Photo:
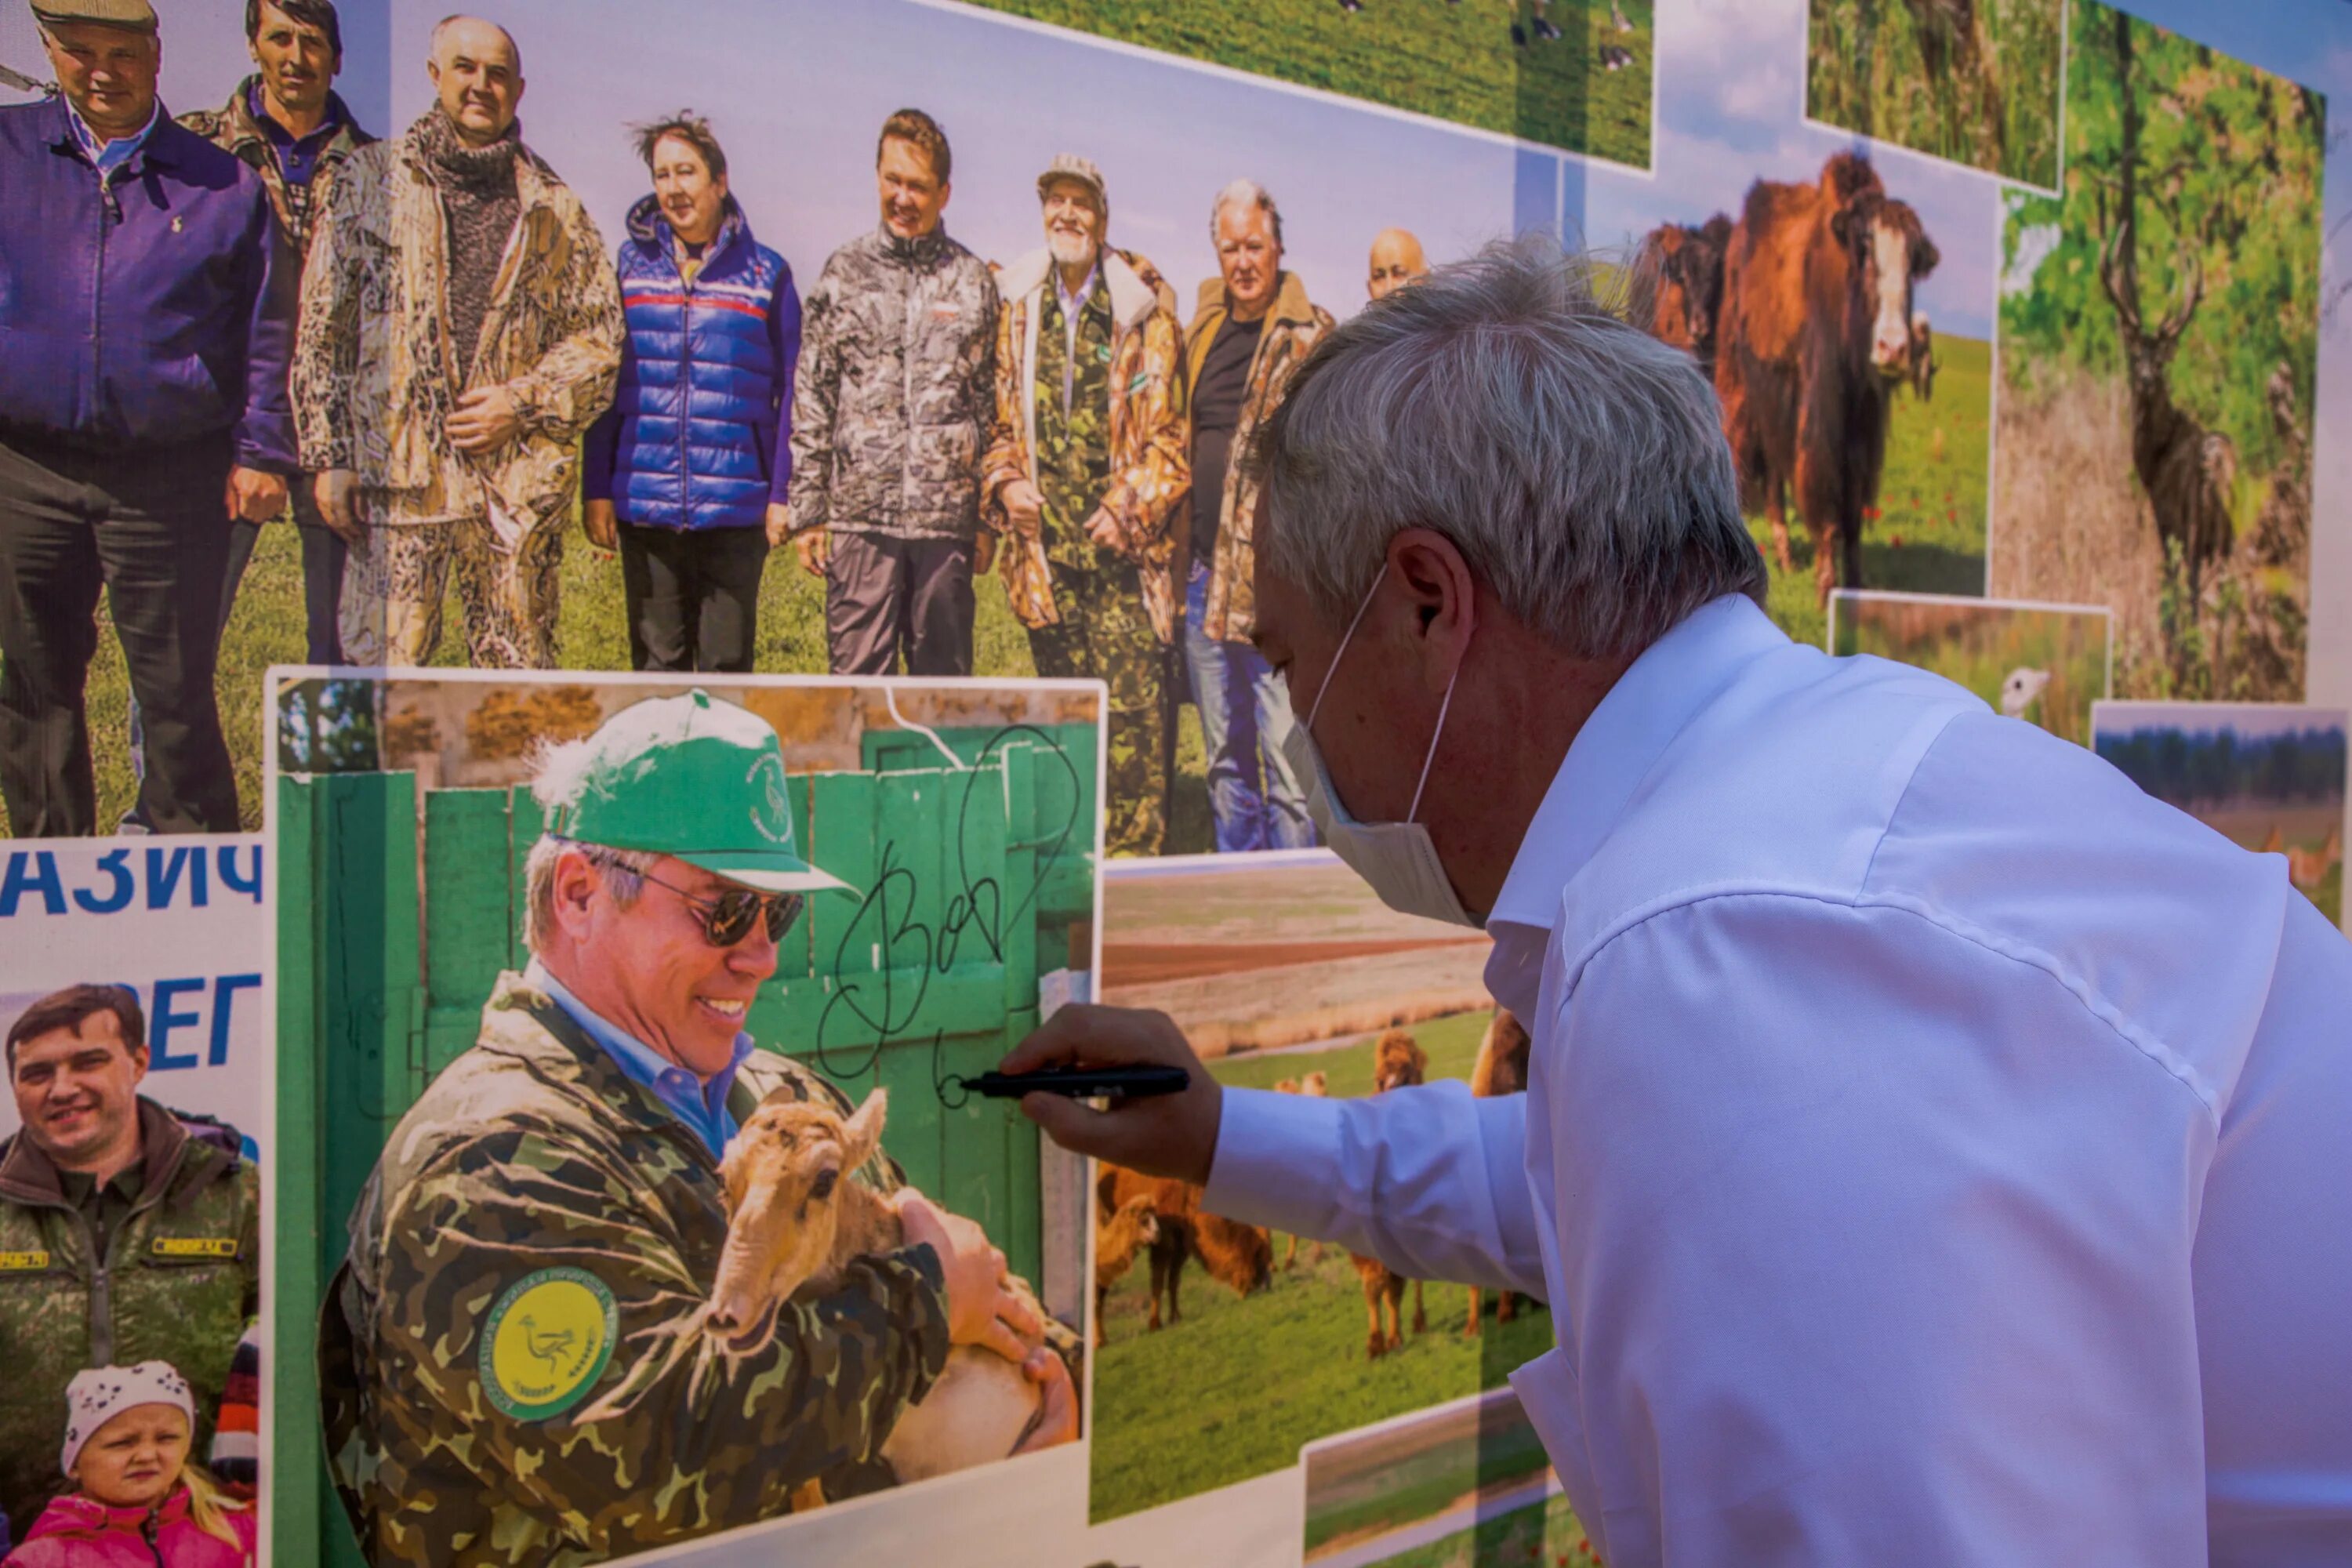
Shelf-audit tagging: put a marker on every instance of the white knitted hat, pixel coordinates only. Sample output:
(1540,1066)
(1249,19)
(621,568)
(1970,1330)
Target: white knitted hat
(100,1393)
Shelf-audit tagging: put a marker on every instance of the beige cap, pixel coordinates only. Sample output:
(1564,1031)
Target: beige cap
(1071,166)
(137,15)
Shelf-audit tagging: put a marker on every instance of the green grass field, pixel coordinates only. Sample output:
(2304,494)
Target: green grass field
(1453,61)
(1979,646)
(1413,1488)
(1542,1535)
(1237,1388)
(1930,534)
(267,628)
(1866,69)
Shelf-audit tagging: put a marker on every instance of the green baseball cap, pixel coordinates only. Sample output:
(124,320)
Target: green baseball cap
(694,778)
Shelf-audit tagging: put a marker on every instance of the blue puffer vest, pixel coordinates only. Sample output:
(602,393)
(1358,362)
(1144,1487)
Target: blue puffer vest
(695,438)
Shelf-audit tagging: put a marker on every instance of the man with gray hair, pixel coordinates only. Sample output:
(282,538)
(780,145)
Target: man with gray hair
(1932,1149)
(1254,327)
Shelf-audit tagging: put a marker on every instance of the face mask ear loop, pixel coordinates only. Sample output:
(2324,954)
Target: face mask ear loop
(1423,783)
(1336,654)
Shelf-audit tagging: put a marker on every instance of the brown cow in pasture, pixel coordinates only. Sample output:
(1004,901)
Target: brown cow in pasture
(1679,275)
(1240,1254)
(1118,1236)
(1502,1069)
(1816,330)
(1924,363)
(1397,1062)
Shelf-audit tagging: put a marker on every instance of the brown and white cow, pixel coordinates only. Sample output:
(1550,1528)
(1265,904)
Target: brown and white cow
(1397,1062)
(1816,333)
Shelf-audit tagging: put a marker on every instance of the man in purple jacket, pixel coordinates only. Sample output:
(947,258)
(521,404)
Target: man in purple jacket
(146,312)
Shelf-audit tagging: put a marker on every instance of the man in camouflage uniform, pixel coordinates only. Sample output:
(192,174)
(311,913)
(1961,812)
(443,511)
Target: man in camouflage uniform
(286,122)
(460,330)
(514,1355)
(1083,476)
(891,408)
(127,1233)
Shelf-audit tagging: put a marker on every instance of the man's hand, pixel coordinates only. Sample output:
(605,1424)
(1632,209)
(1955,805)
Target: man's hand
(984,553)
(332,490)
(1024,504)
(1105,531)
(1057,1423)
(254,496)
(1159,1135)
(779,524)
(980,1311)
(814,548)
(601,524)
(485,419)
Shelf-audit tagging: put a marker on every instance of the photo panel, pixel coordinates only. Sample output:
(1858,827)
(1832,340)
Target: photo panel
(592,1131)
(1979,83)
(2159,328)
(1463,1485)
(1574,75)
(2268,776)
(1748,251)
(1285,974)
(2046,664)
(135,1001)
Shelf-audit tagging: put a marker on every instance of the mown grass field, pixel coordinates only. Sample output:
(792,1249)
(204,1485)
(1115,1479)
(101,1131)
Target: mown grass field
(265,628)
(1388,1491)
(1930,534)
(1542,1535)
(1237,1388)
(1867,69)
(1453,61)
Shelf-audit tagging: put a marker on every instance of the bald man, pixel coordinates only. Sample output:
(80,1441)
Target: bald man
(442,419)
(1397,261)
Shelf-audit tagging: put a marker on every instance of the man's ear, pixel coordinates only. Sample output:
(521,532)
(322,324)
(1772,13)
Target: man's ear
(139,1058)
(1443,597)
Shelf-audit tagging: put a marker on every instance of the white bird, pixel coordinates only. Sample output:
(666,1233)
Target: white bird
(2021,689)
(1618,19)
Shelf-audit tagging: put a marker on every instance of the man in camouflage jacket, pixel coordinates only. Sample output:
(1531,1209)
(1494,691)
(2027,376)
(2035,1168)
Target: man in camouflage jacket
(891,409)
(1084,476)
(127,1233)
(460,329)
(514,1357)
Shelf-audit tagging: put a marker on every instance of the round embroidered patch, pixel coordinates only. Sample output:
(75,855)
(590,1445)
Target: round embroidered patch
(548,1339)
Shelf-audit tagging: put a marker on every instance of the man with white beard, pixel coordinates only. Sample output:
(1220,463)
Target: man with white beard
(1083,474)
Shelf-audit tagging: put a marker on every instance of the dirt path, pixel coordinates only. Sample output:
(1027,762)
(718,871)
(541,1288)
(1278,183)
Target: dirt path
(1141,963)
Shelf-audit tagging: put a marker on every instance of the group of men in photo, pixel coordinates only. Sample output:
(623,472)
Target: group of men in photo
(421,348)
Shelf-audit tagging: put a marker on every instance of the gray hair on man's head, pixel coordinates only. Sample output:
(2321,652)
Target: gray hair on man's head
(1578,463)
(555,778)
(1244,193)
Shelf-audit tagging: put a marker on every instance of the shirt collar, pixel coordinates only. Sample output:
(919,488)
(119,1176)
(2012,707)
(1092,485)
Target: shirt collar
(1659,693)
(1071,300)
(641,1062)
(255,104)
(104,153)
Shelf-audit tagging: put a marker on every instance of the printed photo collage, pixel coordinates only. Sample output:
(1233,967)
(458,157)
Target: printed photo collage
(725,540)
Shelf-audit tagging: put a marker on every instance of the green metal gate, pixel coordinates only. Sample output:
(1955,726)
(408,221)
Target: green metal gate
(394,926)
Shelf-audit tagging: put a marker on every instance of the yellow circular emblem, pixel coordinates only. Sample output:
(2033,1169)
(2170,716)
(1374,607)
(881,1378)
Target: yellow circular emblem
(548,1339)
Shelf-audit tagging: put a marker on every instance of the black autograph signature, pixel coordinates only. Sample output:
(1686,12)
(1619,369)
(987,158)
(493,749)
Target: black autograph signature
(883,995)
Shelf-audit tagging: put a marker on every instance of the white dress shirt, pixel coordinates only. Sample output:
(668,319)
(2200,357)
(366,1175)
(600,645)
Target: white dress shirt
(1935,1149)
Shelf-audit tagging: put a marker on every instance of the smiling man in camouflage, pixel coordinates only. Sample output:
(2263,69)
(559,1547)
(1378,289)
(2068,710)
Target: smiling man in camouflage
(891,408)
(514,1355)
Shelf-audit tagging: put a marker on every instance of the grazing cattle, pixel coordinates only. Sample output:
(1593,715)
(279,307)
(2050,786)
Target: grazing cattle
(1816,328)
(1398,1061)
(796,1217)
(1502,1069)
(1118,1236)
(1924,363)
(1679,274)
(1240,1254)
(1316,1085)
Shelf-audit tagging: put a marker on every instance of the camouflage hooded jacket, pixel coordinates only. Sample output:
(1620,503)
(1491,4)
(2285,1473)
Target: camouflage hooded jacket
(232,129)
(896,391)
(1293,328)
(1149,462)
(374,379)
(182,1278)
(533,1163)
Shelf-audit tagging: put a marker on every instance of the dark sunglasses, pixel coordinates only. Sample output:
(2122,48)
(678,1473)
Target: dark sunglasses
(727,919)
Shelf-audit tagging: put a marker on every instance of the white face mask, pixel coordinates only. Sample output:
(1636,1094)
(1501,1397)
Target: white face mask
(1397,858)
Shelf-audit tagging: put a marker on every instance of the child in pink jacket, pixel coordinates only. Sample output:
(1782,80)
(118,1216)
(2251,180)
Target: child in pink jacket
(138,1502)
